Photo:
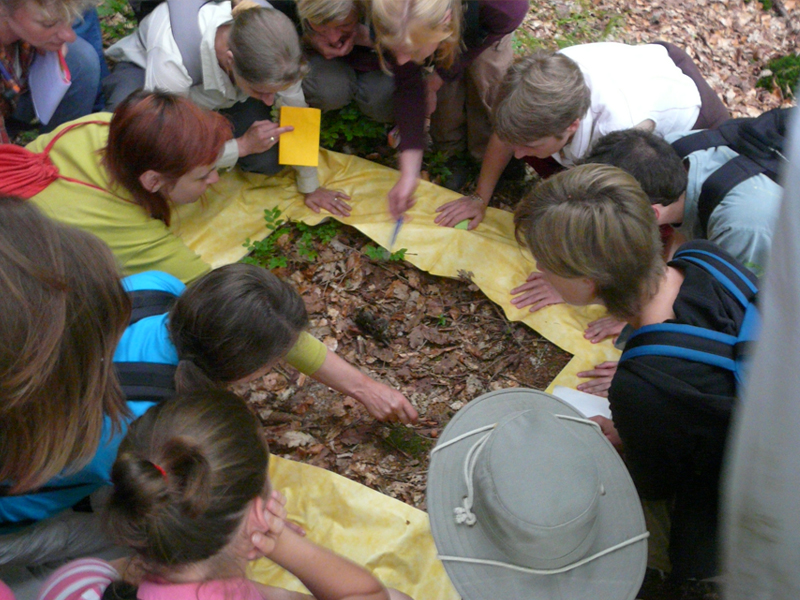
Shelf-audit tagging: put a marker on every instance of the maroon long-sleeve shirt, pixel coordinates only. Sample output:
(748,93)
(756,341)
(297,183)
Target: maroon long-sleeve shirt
(496,19)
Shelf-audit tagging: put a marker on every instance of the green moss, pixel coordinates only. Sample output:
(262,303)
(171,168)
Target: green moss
(785,74)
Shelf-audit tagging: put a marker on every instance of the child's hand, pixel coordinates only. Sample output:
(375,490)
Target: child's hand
(602,328)
(274,523)
(609,430)
(331,200)
(467,207)
(536,293)
(601,377)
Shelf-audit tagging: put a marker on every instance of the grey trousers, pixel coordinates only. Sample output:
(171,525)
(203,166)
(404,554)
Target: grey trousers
(333,84)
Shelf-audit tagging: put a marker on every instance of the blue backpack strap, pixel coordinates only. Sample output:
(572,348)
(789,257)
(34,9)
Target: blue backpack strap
(737,282)
(683,341)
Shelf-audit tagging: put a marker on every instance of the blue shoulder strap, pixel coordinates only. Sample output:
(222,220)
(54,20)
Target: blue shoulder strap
(697,343)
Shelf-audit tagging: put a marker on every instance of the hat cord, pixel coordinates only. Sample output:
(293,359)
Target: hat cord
(464,514)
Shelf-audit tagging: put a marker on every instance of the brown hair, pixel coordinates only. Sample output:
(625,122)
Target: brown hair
(266,48)
(541,95)
(62,313)
(165,133)
(184,476)
(595,221)
(410,23)
(232,322)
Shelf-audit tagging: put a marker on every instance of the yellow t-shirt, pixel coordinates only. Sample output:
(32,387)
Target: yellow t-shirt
(139,242)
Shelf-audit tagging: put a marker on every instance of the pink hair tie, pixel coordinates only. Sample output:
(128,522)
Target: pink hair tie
(160,470)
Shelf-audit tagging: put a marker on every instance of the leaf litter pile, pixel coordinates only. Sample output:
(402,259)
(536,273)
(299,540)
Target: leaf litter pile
(439,341)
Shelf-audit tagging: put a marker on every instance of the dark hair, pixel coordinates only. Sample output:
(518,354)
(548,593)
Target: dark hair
(184,476)
(62,313)
(232,322)
(651,160)
(165,133)
(594,221)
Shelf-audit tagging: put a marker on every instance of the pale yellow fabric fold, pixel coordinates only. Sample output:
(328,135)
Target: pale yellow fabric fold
(388,537)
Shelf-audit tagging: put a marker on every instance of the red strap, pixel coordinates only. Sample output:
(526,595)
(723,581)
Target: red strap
(24,173)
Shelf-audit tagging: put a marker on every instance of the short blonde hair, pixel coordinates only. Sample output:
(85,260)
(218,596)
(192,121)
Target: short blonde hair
(323,12)
(62,10)
(595,221)
(412,23)
(266,48)
(540,96)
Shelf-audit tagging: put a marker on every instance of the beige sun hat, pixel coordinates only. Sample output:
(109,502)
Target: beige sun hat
(527,499)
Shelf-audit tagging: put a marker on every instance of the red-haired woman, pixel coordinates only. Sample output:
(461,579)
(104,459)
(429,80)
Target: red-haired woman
(120,179)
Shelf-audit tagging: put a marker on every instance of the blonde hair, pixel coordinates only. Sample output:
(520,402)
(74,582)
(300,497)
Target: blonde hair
(413,23)
(265,47)
(595,221)
(323,12)
(61,10)
(541,95)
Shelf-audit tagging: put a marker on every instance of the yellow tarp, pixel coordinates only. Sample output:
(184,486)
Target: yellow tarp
(217,227)
(390,538)
(385,535)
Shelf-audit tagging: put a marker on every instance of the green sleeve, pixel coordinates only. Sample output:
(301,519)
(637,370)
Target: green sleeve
(307,354)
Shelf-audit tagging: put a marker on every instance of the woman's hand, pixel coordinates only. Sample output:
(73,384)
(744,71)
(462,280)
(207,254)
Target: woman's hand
(260,137)
(536,292)
(401,196)
(600,329)
(329,50)
(331,200)
(386,404)
(601,377)
(467,207)
(433,84)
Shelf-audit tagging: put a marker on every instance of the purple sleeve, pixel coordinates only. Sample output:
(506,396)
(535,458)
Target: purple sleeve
(409,105)
(497,18)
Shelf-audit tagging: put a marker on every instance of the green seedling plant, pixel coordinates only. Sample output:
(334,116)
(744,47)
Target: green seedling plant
(379,254)
(349,126)
(116,19)
(268,253)
(785,71)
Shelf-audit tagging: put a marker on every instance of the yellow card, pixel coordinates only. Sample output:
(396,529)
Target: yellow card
(301,146)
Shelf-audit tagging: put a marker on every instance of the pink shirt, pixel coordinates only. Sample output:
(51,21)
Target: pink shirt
(218,589)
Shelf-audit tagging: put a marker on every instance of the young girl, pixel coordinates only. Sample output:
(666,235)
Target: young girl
(415,36)
(595,239)
(193,500)
(249,55)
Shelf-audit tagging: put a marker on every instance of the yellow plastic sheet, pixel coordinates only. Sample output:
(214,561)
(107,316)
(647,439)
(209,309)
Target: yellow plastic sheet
(233,211)
(390,538)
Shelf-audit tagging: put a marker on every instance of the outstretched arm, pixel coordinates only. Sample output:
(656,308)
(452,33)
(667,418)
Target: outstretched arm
(381,401)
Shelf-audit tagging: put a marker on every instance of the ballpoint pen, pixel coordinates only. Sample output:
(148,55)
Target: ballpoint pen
(396,231)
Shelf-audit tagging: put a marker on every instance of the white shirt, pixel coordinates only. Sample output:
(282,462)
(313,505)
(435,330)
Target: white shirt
(153,48)
(628,85)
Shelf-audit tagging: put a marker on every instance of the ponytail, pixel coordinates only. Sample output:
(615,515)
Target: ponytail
(184,476)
